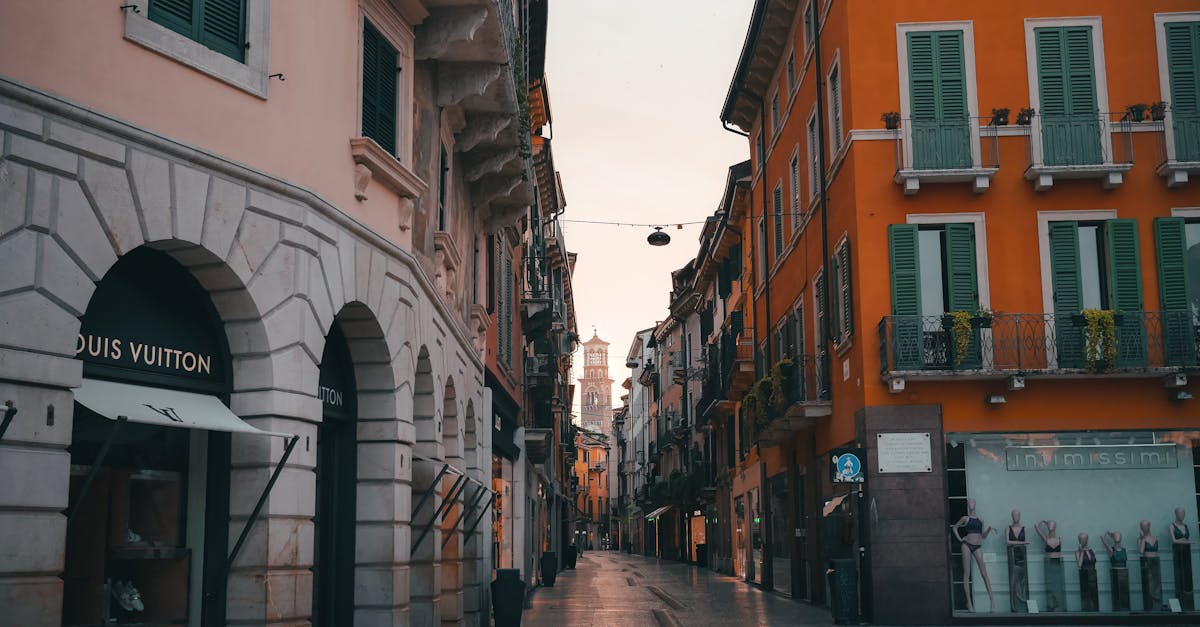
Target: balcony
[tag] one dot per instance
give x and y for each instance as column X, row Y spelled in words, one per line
column 1151, row 343
column 1098, row 146
column 597, row 467
column 741, row 375
column 1179, row 147
column 948, row 150
column 806, row 397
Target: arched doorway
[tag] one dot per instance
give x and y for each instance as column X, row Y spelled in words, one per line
column 148, row 531
column 337, row 473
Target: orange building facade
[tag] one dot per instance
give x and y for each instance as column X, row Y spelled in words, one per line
column 1006, row 322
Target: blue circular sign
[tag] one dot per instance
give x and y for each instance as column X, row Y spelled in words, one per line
column 847, row 468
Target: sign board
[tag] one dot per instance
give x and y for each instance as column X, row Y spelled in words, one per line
column 904, row 452
column 846, row 465
column 1091, row 457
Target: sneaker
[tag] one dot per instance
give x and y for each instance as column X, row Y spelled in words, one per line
column 128, row 596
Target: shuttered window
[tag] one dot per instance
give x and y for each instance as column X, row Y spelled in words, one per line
column 379, row 86
column 843, row 317
column 791, row 71
column 1183, row 69
column 218, row 24
column 1177, row 244
column 777, row 208
column 835, row 111
column 1096, row 265
column 934, row 272
column 937, row 79
column 1067, row 96
column 794, row 181
column 506, row 329
column 814, row 159
column 775, row 113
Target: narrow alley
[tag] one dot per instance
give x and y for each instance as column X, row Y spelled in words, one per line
column 610, row 588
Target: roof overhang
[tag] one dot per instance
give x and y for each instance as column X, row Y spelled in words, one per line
column 766, row 41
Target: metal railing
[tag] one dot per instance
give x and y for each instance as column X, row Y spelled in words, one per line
column 804, row 380
column 1080, row 140
column 935, row 144
column 1037, row 343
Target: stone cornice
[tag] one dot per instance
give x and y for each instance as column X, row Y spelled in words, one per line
column 386, row 168
column 121, row 129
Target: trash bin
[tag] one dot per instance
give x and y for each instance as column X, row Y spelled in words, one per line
column 843, row 590
column 508, row 597
column 549, row 568
column 702, row 554
column 571, row 554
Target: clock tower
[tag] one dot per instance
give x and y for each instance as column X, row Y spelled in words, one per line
column 595, row 387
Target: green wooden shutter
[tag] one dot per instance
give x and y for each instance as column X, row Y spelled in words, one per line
column 1067, row 285
column 1183, row 69
column 907, row 337
column 835, row 106
column 962, row 287
column 940, row 126
column 379, row 88
column 1179, row 345
column 177, row 15
column 508, row 308
column 223, row 27
column 1067, row 94
column 1125, row 291
column 846, row 313
column 835, row 320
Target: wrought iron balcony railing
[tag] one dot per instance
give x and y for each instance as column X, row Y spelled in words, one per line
column 1146, row 342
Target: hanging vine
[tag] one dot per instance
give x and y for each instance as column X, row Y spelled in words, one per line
column 1101, row 338
column 961, row 327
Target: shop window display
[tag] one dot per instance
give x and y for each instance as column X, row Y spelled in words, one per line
column 1079, row 487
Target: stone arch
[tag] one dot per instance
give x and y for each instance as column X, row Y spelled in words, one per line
column 451, row 600
column 427, row 492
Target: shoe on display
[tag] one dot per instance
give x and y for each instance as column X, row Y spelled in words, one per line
column 128, row 596
column 133, row 538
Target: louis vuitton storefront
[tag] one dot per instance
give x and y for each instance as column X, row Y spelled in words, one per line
column 149, row 533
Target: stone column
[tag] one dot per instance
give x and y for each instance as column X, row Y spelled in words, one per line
column 426, row 570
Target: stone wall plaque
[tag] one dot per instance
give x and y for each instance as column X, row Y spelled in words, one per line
column 904, row 452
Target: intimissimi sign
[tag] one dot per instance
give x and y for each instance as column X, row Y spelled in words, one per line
column 134, row 353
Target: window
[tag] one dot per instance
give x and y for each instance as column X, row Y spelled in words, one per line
column 794, row 181
column 1067, row 95
column 1095, row 265
column 934, row 269
column 843, row 319
column 1181, row 40
column 225, row 39
column 814, row 157
column 777, row 208
column 820, row 324
column 760, row 150
column 1177, row 243
column 218, row 24
column 379, row 88
column 762, row 250
column 937, row 84
column 775, row 113
column 443, row 184
column 835, row 109
column 791, row 71
column 810, row 31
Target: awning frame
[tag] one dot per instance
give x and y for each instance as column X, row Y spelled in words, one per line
column 456, row 490
column 95, row 469
column 658, row 512
column 262, row 500
column 10, row 410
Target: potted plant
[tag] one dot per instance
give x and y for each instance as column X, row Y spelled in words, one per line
column 1025, row 116
column 961, row 330
column 1158, row 110
column 1100, row 338
column 1000, row 117
column 1136, row 112
column 891, row 120
column 982, row 319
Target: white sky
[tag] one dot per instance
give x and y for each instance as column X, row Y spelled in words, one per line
column 636, row 90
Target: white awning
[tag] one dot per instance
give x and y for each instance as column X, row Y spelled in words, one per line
column 156, row 406
column 658, row 512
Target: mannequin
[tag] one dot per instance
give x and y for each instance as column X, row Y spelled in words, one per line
column 1085, row 559
column 1018, row 575
column 1056, row 587
column 1181, row 547
column 1151, row 573
column 971, row 544
column 1119, row 573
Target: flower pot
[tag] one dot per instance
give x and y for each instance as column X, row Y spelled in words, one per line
column 508, row 597
column 981, row 322
column 1000, row 117
column 1158, row 112
column 1137, row 113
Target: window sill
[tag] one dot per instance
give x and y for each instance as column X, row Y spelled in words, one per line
column 250, row 76
column 841, row 347
column 1112, row 174
column 980, row 178
column 1176, row 172
column 381, row 165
